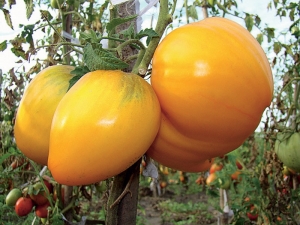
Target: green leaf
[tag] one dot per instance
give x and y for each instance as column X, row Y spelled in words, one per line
column 19, row 52
column 11, row 2
column 129, row 32
column 46, row 14
column 29, row 8
column 89, row 36
column 97, row 58
column 260, row 38
column 4, row 157
column 192, row 12
column 7, row 18
column 270, row 33
column 117, row 21
column 276, row 47
column 220, row 6
column 78, row 72
column 292, row 15
column 149, row 33
column 211, row 2
column 257, row 20
column 3, row 46
column 249, row 22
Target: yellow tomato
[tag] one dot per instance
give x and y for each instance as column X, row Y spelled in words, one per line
column 36, row 109
column 104, row 124
column 213, row 81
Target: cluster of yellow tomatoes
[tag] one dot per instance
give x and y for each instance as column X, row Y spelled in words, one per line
column 210, row 84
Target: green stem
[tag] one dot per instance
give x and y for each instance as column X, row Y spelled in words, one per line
column 129, row 42
column 76, row 13
column 186, row 11
column 164, row 18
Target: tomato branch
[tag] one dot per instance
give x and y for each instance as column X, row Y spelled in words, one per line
column 126, row 190
column 164, row 18
column 129, row 42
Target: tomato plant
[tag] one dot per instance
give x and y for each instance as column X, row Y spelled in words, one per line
column 105, row 135
column 36, row 109
column 212, row 96
column 24, row 206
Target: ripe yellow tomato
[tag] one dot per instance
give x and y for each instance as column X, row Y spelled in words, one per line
column 36, row 109
column 103, row 125
column 213, row 81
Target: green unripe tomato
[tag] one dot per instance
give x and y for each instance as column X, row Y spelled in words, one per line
column 54, row 4
column 287, row 148
column 13, row 196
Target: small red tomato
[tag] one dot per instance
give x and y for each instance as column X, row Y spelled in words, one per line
column 236, row 176
column 238, row 165
column 252, row 217
column 42, row 210
column 23, row 206
column 252, row 214
column 211, row 178
column 215, row 167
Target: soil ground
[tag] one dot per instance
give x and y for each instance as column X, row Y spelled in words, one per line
column 153, row 214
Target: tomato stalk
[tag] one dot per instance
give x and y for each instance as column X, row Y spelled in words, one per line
column 164, row 18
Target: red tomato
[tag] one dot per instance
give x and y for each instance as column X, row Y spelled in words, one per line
column 252, row 214
column 252, row 217
column 42, row 210
column 215, row 167
column 211, row 178
column 23, row 206
column 238, row 165
column 236, row 175
column 41, row 197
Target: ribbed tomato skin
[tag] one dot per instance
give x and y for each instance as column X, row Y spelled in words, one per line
column 36, row 110
column 104, row 124
column 213, row 81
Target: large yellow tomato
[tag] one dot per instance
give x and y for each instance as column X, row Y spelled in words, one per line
column 104, row 124
column 213, row 82
column 36, row 109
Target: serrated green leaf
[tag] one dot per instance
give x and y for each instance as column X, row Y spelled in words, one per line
column 129, row 32
column 29, row 8
column 249, row 22
column 7, row 18
column 78, row 72
column 89, row 36
column 3, row 46
column 149, row 33
column 73, row 80
column 97, row 58
column 117, row 21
